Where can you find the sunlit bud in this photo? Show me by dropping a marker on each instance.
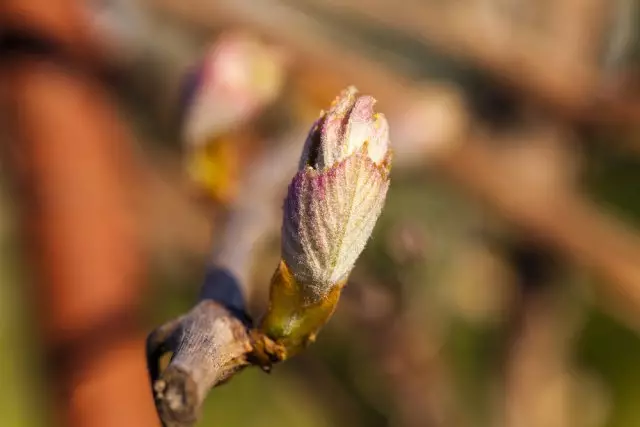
(337, 195)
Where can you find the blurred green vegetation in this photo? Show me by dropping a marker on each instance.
(22, 402)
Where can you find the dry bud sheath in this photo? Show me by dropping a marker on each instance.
(330, 211)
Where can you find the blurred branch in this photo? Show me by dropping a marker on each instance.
(212, 342)
(257, 210)
(539, 331)
(556, 65)
(298, 32)
(559, 68)
(542, 384)
(555, 216)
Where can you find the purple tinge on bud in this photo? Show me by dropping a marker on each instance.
(338, 193)
(350, 124)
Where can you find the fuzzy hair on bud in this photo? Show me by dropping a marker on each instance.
(337, 195)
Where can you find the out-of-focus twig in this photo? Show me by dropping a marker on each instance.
(541, 384)
(537, 355)
(561, 218)
(298, 32)
(564, 76)
(556, 63)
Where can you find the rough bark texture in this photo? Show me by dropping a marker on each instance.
(212, 341)
(210, 346)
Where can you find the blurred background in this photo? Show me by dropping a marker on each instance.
(501, 286)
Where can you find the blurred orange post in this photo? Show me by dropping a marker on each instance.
(75, 168)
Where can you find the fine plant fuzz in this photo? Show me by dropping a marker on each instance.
(330, 210)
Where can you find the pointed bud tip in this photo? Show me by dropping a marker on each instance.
(337, 196)
(350, 122)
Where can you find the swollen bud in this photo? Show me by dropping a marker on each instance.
(337, 195)
(330, 210)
